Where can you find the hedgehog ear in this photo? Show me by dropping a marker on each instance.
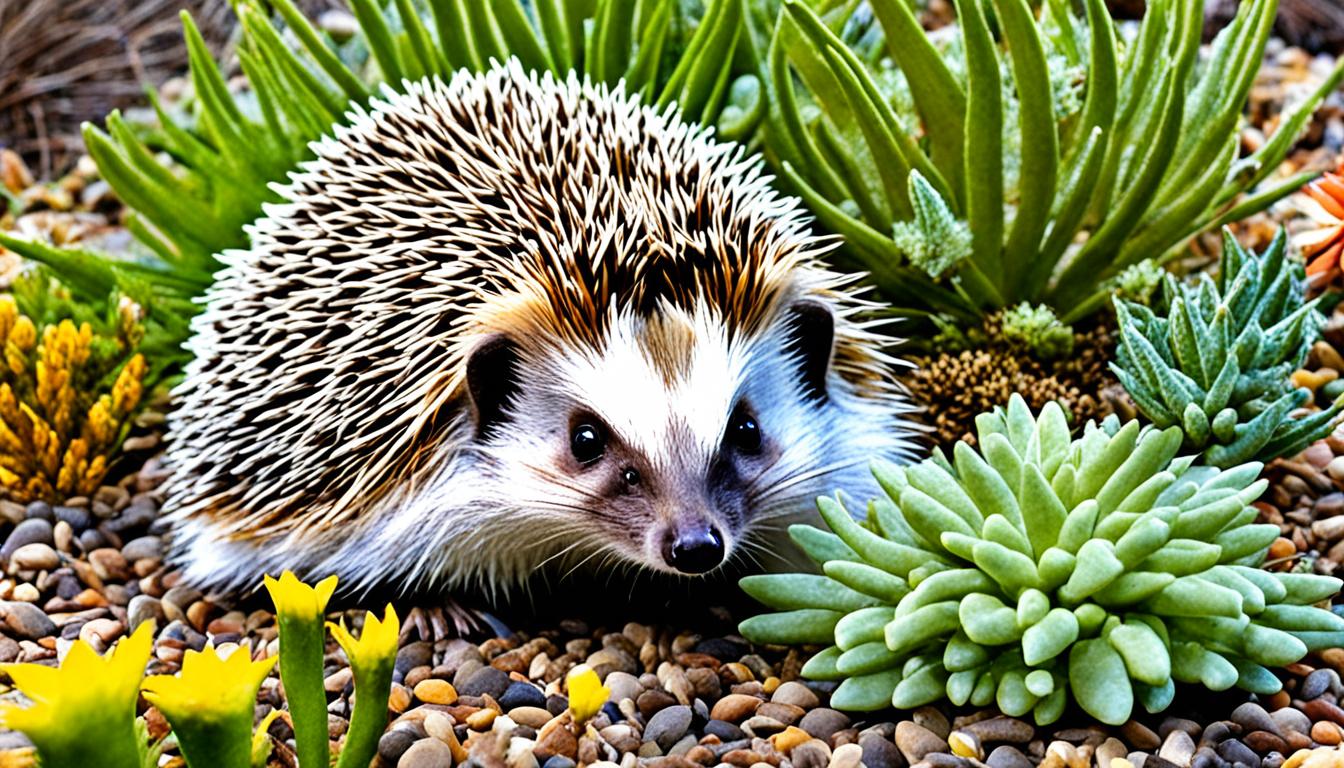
(492, 381)
(811, 340)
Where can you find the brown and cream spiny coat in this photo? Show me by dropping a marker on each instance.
(509, 323)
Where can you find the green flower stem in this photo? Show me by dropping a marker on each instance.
(302, 640)
(373, 684)
(214, 739)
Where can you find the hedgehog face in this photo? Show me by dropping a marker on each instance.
(668, 441)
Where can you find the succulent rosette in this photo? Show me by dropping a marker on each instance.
(1218, 362)
(1042, 567)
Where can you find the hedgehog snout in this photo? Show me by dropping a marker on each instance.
(693, 549)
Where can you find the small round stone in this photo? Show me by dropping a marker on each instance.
(28, 621)
(426, 753)
(796, 694)
(435, 692)
(667, 726)
(520, 694)
(486, 681)
(823, 722)
(847, 756)
(735, 707)
(1326, 733)
(916, 741)
(394, 743)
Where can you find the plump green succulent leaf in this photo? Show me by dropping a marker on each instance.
(1218, 364)
(977, 581)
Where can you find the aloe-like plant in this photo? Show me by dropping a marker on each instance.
(1102, 567)
(1218, 363)
(231, 146)
(897, 141)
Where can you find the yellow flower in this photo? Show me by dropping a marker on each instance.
(294, 598)
(210, 705)
(372, 658)
(96, 692)
(208, 682)
(587, 694)
(298, 614)
(377, 643)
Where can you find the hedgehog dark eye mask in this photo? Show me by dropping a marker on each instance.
(386, 377)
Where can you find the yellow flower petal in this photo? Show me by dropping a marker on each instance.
(587, 694)
(291, 596)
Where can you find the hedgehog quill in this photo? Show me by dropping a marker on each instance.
(511, 322)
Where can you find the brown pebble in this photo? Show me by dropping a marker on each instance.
(1327, 733)
(555, 738)
(436, 692)
(1007, 730)
(1139, 736)
(1265, 742)
(733, 708)
(916, 741)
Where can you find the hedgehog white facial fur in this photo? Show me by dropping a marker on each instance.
(510, 321)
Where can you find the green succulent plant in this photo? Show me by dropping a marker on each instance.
(1066, 152)
(195, 181)
(1218, 363)
(1102, 567)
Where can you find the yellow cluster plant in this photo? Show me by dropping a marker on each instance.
(67, 395)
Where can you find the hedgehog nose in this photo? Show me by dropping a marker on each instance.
(697, 550)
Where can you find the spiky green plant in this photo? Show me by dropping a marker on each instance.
(1066, 153)
(222, 158)
(1218, 364)
(1101, 566)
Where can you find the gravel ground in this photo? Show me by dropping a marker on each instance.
(93, 569)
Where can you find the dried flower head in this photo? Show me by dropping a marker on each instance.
(67, 396)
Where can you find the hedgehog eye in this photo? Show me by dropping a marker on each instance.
(631, 476)
(587, 443)
(744, 433)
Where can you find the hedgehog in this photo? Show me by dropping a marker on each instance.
(511, 323)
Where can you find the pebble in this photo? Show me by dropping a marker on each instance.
(1001, 729)
(532, 717)
(823, 722)
(622, 685)
(31, 531)
(1007, 757)
(486, 681)
(426, 753)
(1327, 733)
(35, 557)
(879, 752)
(916, 742)
(1234, 751)
(520, 694)
(394, 743)
(435, 692)
(667, 726)
(725, 731)
(1178, 748)
(27, 620)
(812, 754)
(846, 756)
(1140, 736)
(1253, 717)
(736, 707)
(1290, 720)
(795, 694)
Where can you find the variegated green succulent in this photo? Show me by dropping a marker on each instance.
(1218, 363)
(1102, 567)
